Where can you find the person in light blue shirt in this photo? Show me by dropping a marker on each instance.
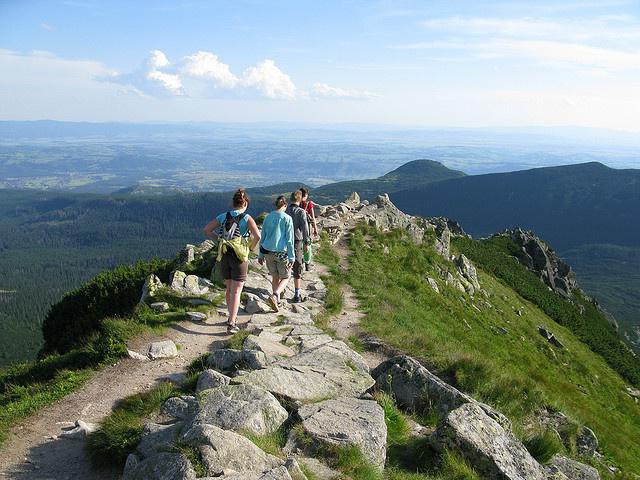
(276, 249)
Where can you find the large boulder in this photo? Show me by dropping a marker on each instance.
(468, 271)
(492, 450)
(179, 407)
(571, 469)
(414, 388)
(348, 421)
(163, 466)
(157, 438)
(226, 452)
(240, 408)
(151, 286)
(329, 371)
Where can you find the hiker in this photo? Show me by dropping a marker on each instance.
(308, 206)
(277, 249)
(301, 241)
(233, 250)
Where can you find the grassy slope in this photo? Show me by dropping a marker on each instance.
(517, 372)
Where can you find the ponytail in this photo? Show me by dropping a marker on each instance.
(280, 202)
(240, 198)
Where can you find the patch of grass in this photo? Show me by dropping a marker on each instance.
(355, 343)
(120, 432)
(334, 281)
(198, 364)
(351, 462)
(195, 458)
(271, 443)
(237, 340)
(397, 425)
(543, 445)
(307, 472)
(517, 372)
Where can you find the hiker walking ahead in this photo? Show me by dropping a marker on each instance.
(308, 206)
(301, 240)
(233, 250)
(276, 248)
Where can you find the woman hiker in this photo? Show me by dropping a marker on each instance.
(233, 250)
(276, 248)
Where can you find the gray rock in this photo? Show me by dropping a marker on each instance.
(240, 408)
(197, 316)
(310, 342)
(194, 285)
(331, 355)
(159, 306)
(80, 431)
(586, 442)
(414, 387)
(573, 470)
(151, 286)
(468, 270)
(255, 359)
(163, 349)
(550, 337)
(278, 473)
(163, 466)
(179, 407)
(176, 280)
(270, 347)
(225, 359)
(187, 254)
(320, 470)
(157, 438)
(211, 379)
(493, 451)
(256, 306)
(294, 469)
(225, 452)
(433, 284)
(354, 198)
(348, 421)
(137, 356)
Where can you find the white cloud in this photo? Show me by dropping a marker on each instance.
(270, 80)
(47, 27)
(171, 82)
(323, 90)
(207, 65)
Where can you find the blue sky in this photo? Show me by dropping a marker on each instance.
(414, 63)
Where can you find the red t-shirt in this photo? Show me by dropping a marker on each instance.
(308, 207)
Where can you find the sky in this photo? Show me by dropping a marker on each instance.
(402, 63)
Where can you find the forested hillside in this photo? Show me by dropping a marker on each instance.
(51, 242)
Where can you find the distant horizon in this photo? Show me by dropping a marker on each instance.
(410, 63)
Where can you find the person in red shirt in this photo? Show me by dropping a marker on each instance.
(307, 205)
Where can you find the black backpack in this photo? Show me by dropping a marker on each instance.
(231, 226)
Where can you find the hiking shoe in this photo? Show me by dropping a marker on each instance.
(297, 299)
(232, 329)
(273, 302)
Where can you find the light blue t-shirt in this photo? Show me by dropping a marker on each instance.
(277, 234)
(243, 224)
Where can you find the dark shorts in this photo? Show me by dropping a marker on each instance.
(298, 265)
(233, 269)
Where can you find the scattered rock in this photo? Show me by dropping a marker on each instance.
(179, 407)
(270, 347)
(586, 442)
(80, 431)
(163, 349)
(157, 438)
(224, 452)
(151, 286)
(197, 316)
(550, 337)
(571, 469)
(225, 359)
(176, 280)
(159, 306)
(433, 284)
(240, 408)
(137, 356)
(468, 270)
(163, 466)
(211, 379)
(489, 448)
(256, 306)
(414, 387)
(348, 421)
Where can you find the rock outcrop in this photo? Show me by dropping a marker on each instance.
(539, 258)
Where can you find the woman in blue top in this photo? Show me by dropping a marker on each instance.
(234, 223)
(276, 246)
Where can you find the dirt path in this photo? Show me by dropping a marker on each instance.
(35, 452)
(347, 323)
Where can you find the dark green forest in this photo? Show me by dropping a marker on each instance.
(52, 242)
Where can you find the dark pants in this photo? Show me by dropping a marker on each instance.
(298, 264)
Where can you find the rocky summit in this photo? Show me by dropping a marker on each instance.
(291, 376)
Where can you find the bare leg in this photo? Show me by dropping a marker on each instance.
(275, 283)
(235, 289)
(280, 286)
(297, 282)
(227, 292)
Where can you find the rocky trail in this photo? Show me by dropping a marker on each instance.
(287, 372)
